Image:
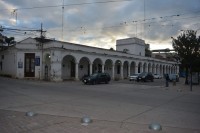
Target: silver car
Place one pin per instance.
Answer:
(157, 76)
(133, 77)
(173, 77)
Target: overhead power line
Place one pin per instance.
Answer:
(74, 4)
(148, 22)
(11, 29)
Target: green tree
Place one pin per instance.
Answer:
(187, 45)
(10, 40)
(5, 42)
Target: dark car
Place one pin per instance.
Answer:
(97, 78)
(145, 76)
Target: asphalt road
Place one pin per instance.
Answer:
(129, 106)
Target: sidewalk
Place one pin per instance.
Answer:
(181, 87)
(18, 122)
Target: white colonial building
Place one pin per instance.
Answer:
(58, 61)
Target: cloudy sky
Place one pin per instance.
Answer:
(100, 23)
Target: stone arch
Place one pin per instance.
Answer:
(140, 67)
(164, 69)
(68, 67)
(161, 70)
(149, 67)
(145, 67)
(84, 67)
(169, 67)
(153, 69)
(174, 69)
(157, 69)
(132, 68)
(117, 69)
(125, 69)
(97, 65)
(108, 66)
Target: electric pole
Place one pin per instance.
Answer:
(42, 36)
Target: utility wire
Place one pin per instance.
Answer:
(109, 27)
(139, 22)
(75, 4)
(10, 29)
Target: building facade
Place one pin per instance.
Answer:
(57, 61)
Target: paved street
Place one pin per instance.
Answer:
(118, 107)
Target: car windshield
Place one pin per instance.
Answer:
(143, 74)
(173, 75)
(135, 75)
(94, 74)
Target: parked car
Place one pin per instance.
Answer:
(173, 77)
(133, 77)
(157, 76)
(97, 78)
(145, 76)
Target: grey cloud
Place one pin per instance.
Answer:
(93, 18)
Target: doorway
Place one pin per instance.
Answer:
(29, 70)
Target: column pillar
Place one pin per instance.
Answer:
(153, 69)
(160, 71)
(91, 68)
(129, 70)
(150, 69)
(146, 68)
(76, 71)
(141, 68)
(103, 65)
(113, 72)
(177, 69)
(136, 69)
(121, 72)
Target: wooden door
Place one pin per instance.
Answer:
(29, 70)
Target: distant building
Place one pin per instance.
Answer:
(159, 55)
(57, 61)
(134, 46)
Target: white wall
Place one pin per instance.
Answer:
(8, 63)
(133, 45)
(21, 58)
(28, 43)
